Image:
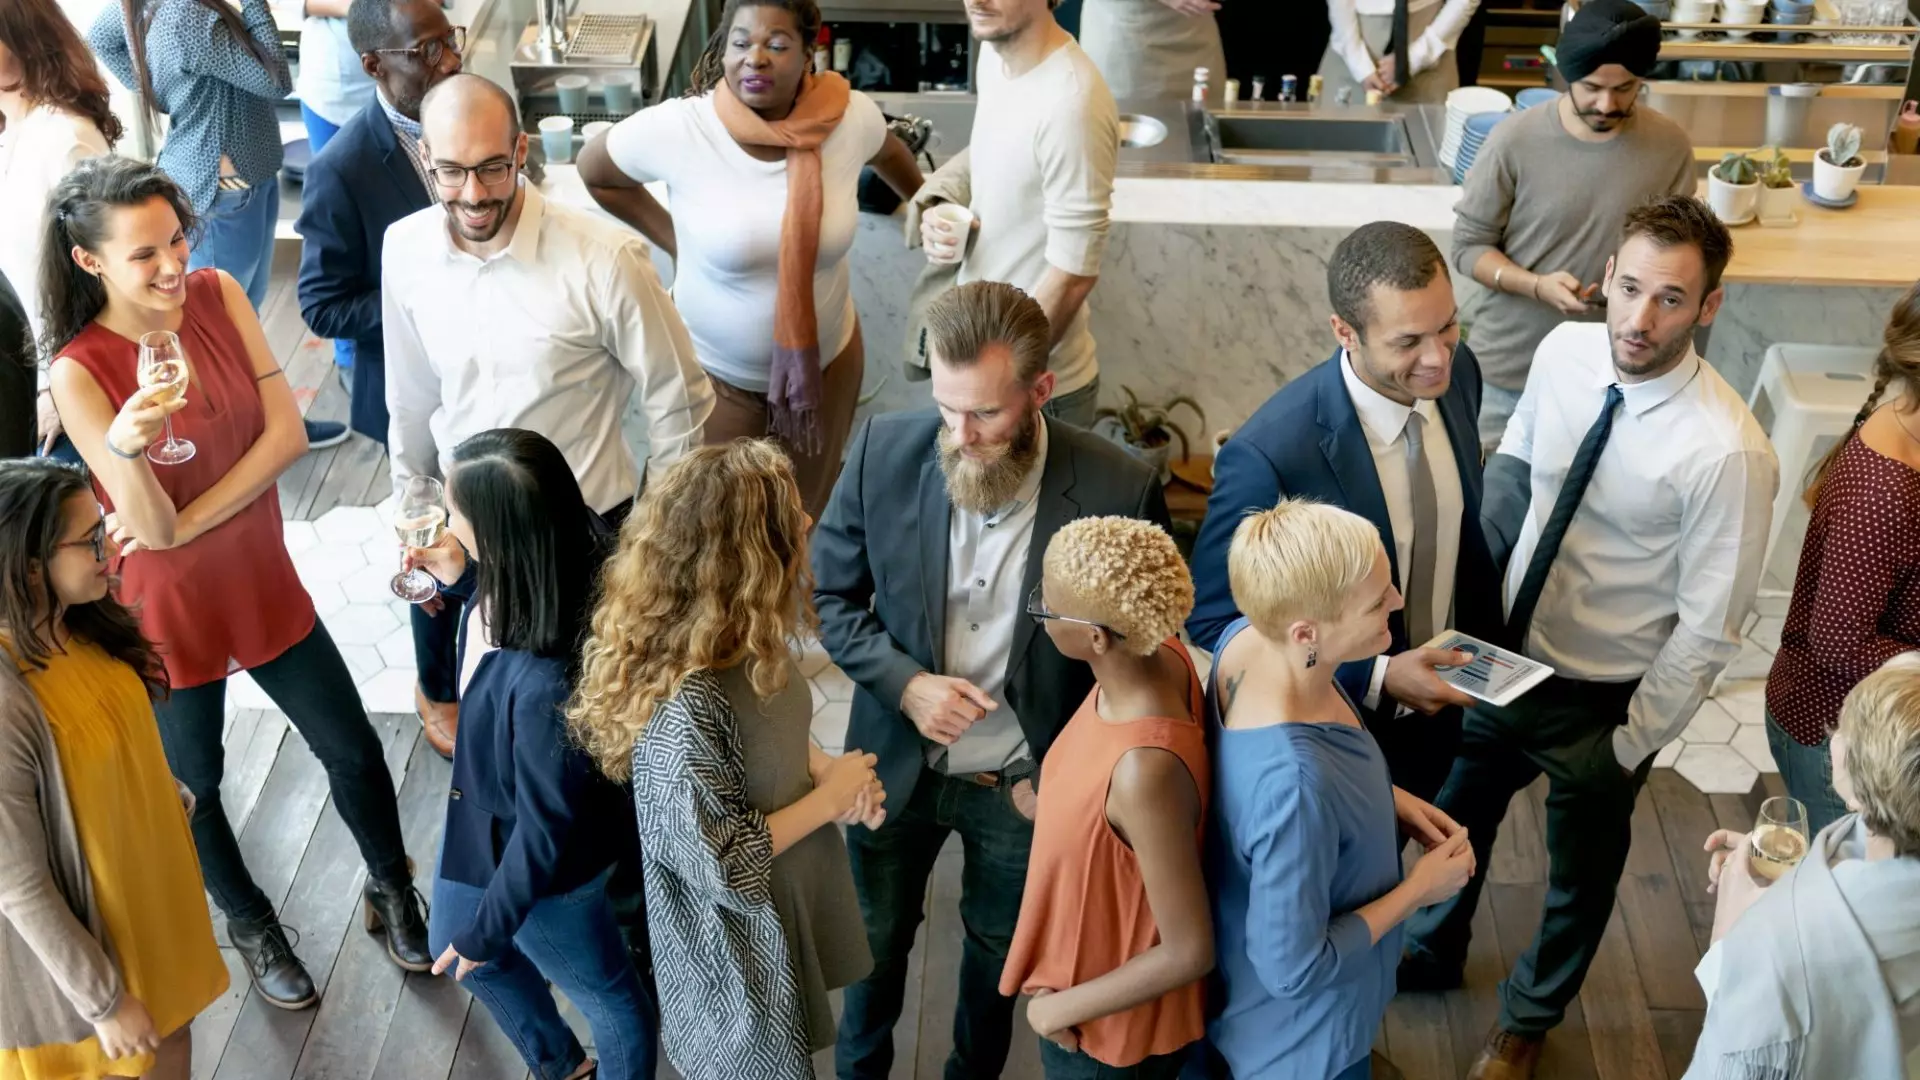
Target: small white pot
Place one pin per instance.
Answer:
(1693, 11)
(1742, 13)
(1777, 205)
(1732, 203)
(1832, 182)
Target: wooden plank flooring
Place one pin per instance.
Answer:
(1636, 1018)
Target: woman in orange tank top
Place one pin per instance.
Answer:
(1114, 932)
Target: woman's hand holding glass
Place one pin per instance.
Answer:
(445, 559)
(143, 419)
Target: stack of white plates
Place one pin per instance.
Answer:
(1462, 103)
(1472, 137)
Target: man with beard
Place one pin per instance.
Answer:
(1647, 489)
(369, 176)
(1542, 205)
(923, 565)
(499, 309)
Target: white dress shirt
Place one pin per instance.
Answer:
(1385, 422)
(1660, 563)
(1424, 52)
(551, 335)
(986, 572)
(37, 150)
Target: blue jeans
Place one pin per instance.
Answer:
(1808, 773)
(570, 939)
(890, 871)
(320, 132)
(236, 235)
(1077, 408)
(1062, 1064)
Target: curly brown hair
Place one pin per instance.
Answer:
(711, 573)
(56, 67)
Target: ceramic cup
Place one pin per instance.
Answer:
(556, 138)
(959, 220)
(573, 93)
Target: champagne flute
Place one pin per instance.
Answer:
(420, 519)
(163, 364)
(1779, 838)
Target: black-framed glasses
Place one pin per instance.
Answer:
(1037, 607)
(430, 52)
(96, 539)
(491, 173)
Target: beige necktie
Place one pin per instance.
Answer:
(1418, 578)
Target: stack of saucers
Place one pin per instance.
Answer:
(1472, 137)
(1463, 103)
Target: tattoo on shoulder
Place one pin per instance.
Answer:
(1232, 691)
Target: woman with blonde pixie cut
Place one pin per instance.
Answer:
(1818, 973)
(688, 688)
(1304, 848)
(1114, 934)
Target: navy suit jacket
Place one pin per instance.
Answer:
(880, 579)
(1307, 442)
(360, 184)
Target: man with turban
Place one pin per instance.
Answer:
(1543, 204)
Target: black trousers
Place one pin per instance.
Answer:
(311, 684)
(1419, 748)
(1563, 728)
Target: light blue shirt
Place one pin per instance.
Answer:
(332, 83)
(1303, 835)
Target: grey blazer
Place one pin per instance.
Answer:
(880, 578)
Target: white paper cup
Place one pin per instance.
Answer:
(556, 139)
(959, 222)
(598, 127)
(572, 90)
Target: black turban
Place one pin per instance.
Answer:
(1608, 32)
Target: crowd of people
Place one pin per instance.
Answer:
(1183, 875)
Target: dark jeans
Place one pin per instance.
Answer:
(1563, 728)
(1062, 1064)
(1807, 771)
(571, 940)
(890, 871)
(311, 684)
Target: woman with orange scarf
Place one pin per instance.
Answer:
(762, 165)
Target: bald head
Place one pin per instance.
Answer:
(469, 122)
(471, 106)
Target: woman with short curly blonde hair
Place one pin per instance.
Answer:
(1114, 933)
(689, 689)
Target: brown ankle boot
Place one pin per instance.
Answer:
(1507, 1056)
(441, 720)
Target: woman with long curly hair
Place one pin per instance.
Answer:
(688, 689)
(106, 948)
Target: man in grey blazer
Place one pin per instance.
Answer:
(923, 565)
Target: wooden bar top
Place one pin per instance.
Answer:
(1875, 242)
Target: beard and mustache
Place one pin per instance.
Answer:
(991, 477)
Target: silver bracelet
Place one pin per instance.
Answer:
(1496, 278)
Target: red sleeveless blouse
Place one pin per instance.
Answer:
(230, 598)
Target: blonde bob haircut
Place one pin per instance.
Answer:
(1124, 573)
(711, 574)
(1881, 722)
(1299, 560)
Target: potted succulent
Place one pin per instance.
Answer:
(1733, 188)
(1147, 431)
(1777, 196)
(1837, 166)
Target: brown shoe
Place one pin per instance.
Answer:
(440, 720)
(1507, 1056)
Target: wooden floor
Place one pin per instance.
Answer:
(1636, 1019)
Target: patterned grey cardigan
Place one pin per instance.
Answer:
(729, 1003)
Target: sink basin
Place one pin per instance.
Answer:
(1272, 138)
(1138, 132)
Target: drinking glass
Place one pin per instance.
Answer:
(163, 364)
(420, 519)
(1779, 838)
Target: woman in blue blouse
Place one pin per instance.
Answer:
(532, 828)
(1307, 828)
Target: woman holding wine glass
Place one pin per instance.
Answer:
(1815, 967)
(168, 389)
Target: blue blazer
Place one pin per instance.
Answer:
(1306, 442)
(356, 187)
(880, 579)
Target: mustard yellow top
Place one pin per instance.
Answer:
(134, 836)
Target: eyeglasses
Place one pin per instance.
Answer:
(1037, 607)
(96, 540)
(430, 52)
(491, 173)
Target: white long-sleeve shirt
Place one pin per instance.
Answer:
(1423, 52)
(552, 335)
(1661, 561)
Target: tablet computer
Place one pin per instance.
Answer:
(1497, 676)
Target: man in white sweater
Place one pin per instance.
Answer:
(1046, 137)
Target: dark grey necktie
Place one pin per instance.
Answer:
(1579, 475)
(1402, 69)
(1422, 619)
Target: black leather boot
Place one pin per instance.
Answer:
(396, 909)
(277, 973)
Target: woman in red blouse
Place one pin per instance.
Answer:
(203, 560)
(1856, 599)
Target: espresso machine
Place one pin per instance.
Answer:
(562, 40)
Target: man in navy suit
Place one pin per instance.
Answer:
(369, 176)
(1387, 427)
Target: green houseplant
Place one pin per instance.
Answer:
(1837, 166)
(1147, 430)
(1777, 196)
(1733, 188)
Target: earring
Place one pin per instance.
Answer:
(1313, 656)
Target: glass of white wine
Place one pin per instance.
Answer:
(420, 519)
(1779, 839)
(163, 364)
